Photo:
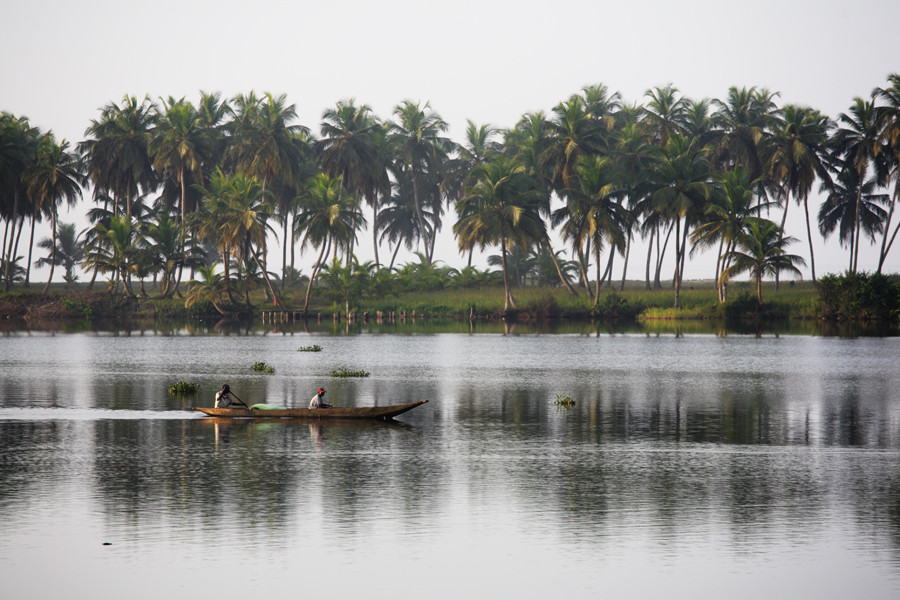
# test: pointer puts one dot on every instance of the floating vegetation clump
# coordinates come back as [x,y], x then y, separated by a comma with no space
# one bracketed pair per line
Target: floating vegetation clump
[184,387]
[261,367]
[564,401]
[348,373]
[313,348]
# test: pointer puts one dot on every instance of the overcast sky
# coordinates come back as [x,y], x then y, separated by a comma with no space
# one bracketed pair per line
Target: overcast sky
[483,60]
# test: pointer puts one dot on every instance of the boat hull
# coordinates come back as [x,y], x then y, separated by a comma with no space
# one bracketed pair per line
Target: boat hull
[352,412]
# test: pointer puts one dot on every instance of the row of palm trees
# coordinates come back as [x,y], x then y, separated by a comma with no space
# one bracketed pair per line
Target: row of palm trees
[177,185]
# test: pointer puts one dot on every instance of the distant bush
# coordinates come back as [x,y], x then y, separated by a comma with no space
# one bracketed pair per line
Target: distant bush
[348,373]
[261,367]
[860,296]
[184,387]
[313,348]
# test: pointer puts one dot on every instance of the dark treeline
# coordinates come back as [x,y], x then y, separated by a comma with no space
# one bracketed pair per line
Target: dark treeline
[187,195]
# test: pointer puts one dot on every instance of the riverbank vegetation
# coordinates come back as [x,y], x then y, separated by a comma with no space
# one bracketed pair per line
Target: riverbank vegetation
[187,198]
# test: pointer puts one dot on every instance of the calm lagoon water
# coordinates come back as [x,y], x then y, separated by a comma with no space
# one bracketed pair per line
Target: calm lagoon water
[692,466]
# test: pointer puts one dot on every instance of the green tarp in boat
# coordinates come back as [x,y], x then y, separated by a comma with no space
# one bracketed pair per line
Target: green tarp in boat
[266,407]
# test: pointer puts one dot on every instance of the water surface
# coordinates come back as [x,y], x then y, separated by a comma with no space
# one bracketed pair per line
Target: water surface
[692,466]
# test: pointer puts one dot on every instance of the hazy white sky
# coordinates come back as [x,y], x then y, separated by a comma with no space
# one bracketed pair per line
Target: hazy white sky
[483,60]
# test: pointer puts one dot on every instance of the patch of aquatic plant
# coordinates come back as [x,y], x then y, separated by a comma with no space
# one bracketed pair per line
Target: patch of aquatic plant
[342,372]
[671,313]
[184,387]
[564,401]
[313,348]
[261,367]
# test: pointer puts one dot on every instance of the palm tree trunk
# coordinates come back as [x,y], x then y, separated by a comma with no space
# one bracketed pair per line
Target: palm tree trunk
[52,250]
[625,266]
[375,230]
[510,302]
[597,283]
[284,255]
[559,272]
[312,278]
[30,248]
[677,263]
[422,230]
[812,257]
[650,255]
[8,275]
[266,277]
[887,227]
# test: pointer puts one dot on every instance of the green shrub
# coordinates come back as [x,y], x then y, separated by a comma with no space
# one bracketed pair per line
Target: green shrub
[342,372]
[860,296]
[261,367]
[183,387]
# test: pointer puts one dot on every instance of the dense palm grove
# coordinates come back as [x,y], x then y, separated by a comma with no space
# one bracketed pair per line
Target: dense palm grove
[186,196]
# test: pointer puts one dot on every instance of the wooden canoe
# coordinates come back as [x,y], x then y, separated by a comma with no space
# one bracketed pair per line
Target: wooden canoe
[384,413]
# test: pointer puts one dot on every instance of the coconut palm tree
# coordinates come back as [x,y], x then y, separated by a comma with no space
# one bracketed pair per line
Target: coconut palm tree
[664,114]
[502,207]
[348,150]
[18,154]
[794,158]
[856,143]
[57,176]
[760,250]
[852,208]
[209,287]
[680,186]
[418,140]
[181,145]
[117,150]
[330,218]
[594,205]
[67,253]
[111,249]
[888,117]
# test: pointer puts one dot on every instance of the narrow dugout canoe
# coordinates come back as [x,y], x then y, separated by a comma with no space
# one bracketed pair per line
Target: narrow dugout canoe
[351,412]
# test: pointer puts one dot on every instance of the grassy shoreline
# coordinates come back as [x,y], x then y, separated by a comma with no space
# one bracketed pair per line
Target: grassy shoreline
[635,302]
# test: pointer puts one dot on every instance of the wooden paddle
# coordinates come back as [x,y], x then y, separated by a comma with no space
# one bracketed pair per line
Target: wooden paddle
[244,404]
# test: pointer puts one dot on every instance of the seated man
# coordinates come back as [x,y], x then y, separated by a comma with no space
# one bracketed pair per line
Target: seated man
[224,398]
[317,400]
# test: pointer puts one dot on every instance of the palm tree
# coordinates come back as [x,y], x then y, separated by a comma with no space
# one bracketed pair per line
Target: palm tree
[594,206]
[501,207]
[181,145]
[741,124]
[57,176]
[725,219]
[348,150]
[111,249]
[852,208]
[417,136]
[18,154]
[856,143]
[65,250]
[795,158]
[573,132]
[888,116]
[330,217]
[679,188]
[761,251]
[209,287]
[117,150]
[664,115]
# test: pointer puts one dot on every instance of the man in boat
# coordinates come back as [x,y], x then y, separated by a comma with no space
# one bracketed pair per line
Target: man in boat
[318,401]
[225,398]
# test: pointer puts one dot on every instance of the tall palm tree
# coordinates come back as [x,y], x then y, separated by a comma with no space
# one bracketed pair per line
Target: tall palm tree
[680,187]
[856,144]
[57,177]
[761,251]
[852,208]
[417,137]
[888,116]
[348,151]
[18,153]
[741,123]
[795,158]
[111,249]
[664,114]
[501,207]
[117,150]
[593,204]
[181,145]
[573,132]
[330,217]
